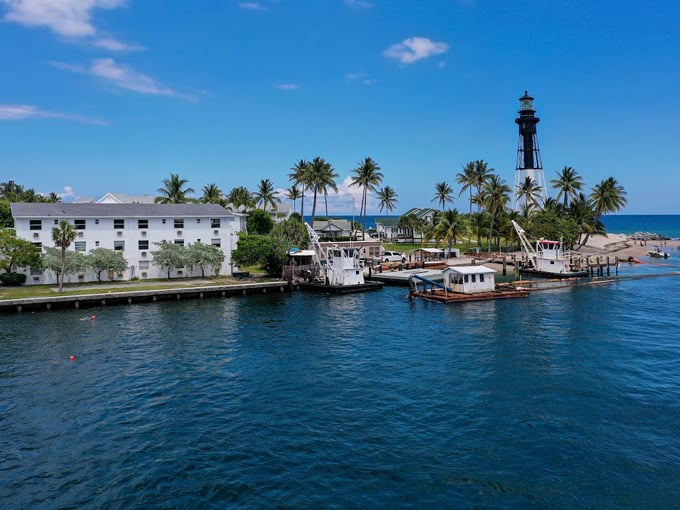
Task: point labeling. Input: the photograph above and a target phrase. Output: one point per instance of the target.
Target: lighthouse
(529, 165)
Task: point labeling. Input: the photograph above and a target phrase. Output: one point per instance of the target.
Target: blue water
(567, 399)
(665, 225)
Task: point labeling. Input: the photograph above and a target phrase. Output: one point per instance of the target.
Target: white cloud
(361, 78)
(253, 6)
(123, 77)
(287, 86)
(71, 18)
(415, 48)
(111, 44)
(358, 3)
(68, 193)
(27, 112)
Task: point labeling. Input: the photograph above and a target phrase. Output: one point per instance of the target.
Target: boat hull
(455, 297)
(340, 289)
(547, 274)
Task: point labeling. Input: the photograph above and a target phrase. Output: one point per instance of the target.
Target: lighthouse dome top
(526, 102)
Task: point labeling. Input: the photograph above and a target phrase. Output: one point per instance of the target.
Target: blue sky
(104, 96)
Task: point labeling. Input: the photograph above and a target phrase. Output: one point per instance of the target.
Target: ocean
(664, 225)
(567, 399)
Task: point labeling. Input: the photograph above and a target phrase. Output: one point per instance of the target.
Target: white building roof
(469, 269)
(62, 210)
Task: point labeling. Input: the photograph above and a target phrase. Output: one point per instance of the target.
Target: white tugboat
(547, 258)
(338, 269)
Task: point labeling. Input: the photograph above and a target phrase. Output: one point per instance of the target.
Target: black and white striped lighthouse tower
(529, 163)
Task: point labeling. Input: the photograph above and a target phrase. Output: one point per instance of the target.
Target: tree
(608, 197)
(443, 194)
(211, 195)
(481, 173)
(102, 259)
(300, 178)
(585, 218)
(293, 193)
(169, 256)
(529, 191)
(467, 180)
(205, 255)
(450, 225)
(368, 177)
(388, 199)
(290, 232)
(259, 222)
(71, 262)
(494, 196)
(266, 194)
(320, 177)
(173, 191)
(254, 250)
(239, 197)
(15, 252)
(63, 236)
(569, 183)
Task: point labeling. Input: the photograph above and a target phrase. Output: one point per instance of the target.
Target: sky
(102, 96)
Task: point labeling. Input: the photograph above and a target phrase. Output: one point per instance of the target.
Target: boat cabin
(551, 257)
(344, 266)
(469, 279)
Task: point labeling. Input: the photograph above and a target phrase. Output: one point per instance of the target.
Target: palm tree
(467, 180)
(266, 195)
(211, 194)
(443, 194)
(608, 197)
(300, 177)
(495, 196)
(320, 177)
(293, 193)
(388, 199)
(529, 191)
(240, 197)
(173, 191)
(325, 180)
(451, 224)
(568, 182)
(481, 172)
(63, 236)
(368, 177)
(583, 215)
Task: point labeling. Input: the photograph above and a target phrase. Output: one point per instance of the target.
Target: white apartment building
(131, 228)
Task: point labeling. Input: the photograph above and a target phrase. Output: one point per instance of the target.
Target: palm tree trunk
(63, 268)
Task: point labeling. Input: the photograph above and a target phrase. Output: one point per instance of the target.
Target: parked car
(393, 256)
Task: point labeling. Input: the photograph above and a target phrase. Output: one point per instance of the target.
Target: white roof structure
(470, 269)
(120, 198)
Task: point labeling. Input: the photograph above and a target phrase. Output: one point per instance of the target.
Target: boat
(462, 284)
(658, 253)
(546, 258)
(333, 269)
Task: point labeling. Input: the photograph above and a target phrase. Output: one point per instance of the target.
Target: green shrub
(13, 279)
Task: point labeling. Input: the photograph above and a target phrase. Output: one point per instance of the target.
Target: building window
(142, 223)
(198, 220)
(119, 245)
(179, 242)
(179, 222)
(35, 224)
(214, 223)
(35, 272)
(56, 222)
(79, 224)
(143, 244)
(118, 223)
(143, 264)
(163, 221)
(216, 242)
(80, 245)
(96, 243)
(481, 278)
(96, 222)
(37, 245)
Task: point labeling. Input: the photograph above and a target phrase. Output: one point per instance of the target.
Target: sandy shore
(623, 246)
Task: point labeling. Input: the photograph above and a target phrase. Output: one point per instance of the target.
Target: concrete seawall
(139, 296)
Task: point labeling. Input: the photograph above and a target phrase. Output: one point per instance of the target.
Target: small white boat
(658, 253)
